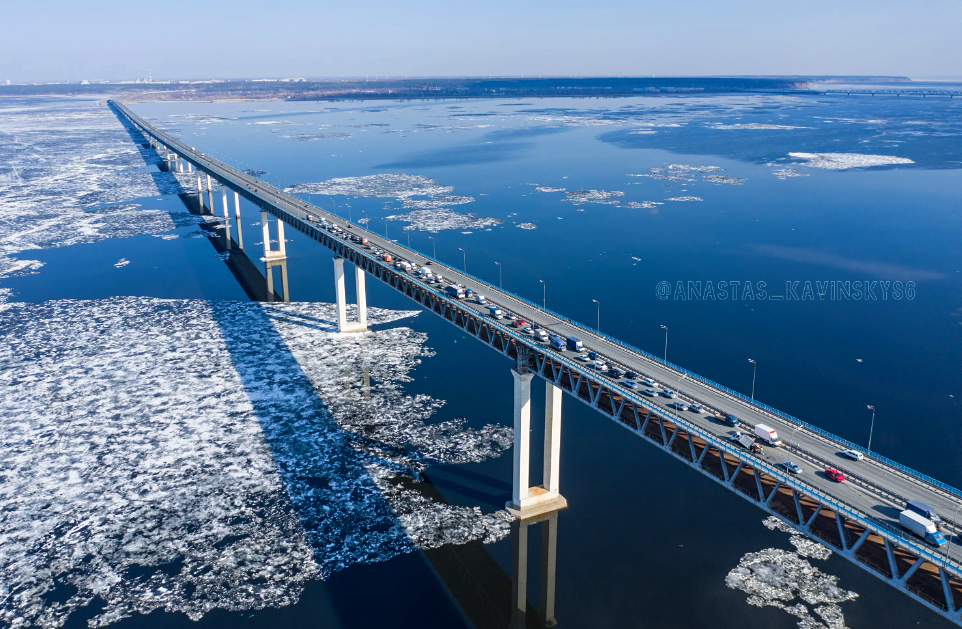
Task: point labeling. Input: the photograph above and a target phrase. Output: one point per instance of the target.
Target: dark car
(614, 372)
(631, 375)
(730, 420)
(593, 355)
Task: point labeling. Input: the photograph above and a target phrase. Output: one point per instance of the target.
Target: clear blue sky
(48, 40)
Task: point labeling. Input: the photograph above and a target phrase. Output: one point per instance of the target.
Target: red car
(519, 322)
(835, 475)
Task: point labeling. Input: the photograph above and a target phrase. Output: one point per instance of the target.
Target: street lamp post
(871, 428)
(754, 371)
(598, 326)
(544, 295)
(431, 238)
(500, 283)
(666, 342)
(464, 259)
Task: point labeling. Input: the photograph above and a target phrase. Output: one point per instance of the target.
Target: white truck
(768, 435)
(923, 527)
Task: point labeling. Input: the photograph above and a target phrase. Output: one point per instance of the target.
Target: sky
(57, 40)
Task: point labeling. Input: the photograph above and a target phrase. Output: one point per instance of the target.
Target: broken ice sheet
(844, 161)
(188, 456)
(605, 197)
(785, 579)
(437, 220)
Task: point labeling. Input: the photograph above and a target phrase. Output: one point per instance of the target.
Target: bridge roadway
(875, 490)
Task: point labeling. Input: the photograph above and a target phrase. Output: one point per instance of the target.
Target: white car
(650, 392)
(678, 405)
(529, 331)
(855, 455)
(583, 358)
(600, 365)
(696, 408)
(668, 393)
(648, 382)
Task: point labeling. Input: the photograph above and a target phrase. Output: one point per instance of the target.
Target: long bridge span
(857, 519)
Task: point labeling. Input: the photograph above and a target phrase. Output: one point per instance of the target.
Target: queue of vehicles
(918, 518)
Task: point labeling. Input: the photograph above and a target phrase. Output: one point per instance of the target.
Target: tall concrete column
(361, 298)
(180, 164)
(190, 167)
(266, 231)
(200, 194)
(210, 194)
(237, 219)
(339, 294)
(223, 195)
(285, 294)
(552, 437)
(281, 248)
(522, 437)
(269, 276)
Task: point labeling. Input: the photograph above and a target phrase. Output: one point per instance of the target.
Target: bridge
(896, 92)
(857, 519)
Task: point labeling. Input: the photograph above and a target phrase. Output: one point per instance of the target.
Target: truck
(455, 291)
(767, 434)
(496, 312)
(574, 344)
(557, 343)
(480, 299)
(923, 527)
(925, 511)
(540, 335)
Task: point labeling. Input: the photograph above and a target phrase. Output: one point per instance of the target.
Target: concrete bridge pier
(519, 570)
(527, 501)
(190, 167)
(272, 254)
(180, 164)
(237, 218)
(210, 195)
(343, 325)
(223, 193)
(200, 193)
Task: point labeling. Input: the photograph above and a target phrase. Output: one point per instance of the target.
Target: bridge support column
(180, 164)
(269, 274)
(190, 167)
(210, 194)
(223, 195)
(343, 325)
(527, 501)
(237, 219)
(200, 194)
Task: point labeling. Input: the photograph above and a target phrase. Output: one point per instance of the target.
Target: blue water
(644, 537)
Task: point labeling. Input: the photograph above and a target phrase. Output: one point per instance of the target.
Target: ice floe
(121, 263)
(755, 125)
(677, 172)
(646, 205)
(188, 456)
(310, 137)
(549, 189)
(786, 580)
(77, 168)
(435, 220)
(785, 173)
(606, 197)
(527, 226)
(684, 199)
(731, 181)
(843, 161)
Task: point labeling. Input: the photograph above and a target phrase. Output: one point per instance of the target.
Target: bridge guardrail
(302, 215)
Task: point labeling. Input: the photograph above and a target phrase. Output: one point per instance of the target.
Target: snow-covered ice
(188, 455)
(605, 197)
(686, 198)
(527, 226)
(786, 580)
(440, 219)
(755, 125)
(645, 205)
(843, 161)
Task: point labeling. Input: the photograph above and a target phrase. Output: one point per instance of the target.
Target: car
(855, 455)
(518, 322)
(668, 393)
(529, 331)
(600, 365)
(789, 466)
(649, 382)
(835, 475)
(735, 435)
(631, 375)
(731, 420)
(650, 392)
(696, 408)
(631, 384)
(582, 358)
(614, 372)
(593, 355)
(678, 405)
